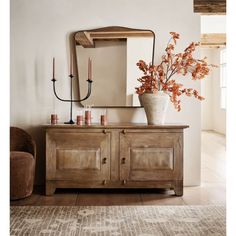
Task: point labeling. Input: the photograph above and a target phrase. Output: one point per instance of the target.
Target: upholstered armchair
(22, 163)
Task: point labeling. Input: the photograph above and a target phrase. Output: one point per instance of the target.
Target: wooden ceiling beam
(213, 40)
(210, 6)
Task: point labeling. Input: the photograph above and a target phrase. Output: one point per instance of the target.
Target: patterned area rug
(118, 220)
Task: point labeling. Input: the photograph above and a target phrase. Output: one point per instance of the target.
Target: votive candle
(88, 117)
(79, 120)
(54, 119)
(103, 120)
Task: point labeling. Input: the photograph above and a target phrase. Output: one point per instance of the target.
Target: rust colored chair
(22, 163)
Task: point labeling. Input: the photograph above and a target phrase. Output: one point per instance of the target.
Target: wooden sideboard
(114, 156)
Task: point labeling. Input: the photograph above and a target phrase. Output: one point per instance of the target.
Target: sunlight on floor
(213, 157)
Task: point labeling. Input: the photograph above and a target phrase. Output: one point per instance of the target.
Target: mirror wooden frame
(86, 39)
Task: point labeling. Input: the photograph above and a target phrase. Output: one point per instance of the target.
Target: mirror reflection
(114, 52)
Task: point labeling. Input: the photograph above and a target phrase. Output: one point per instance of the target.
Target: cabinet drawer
(78, 156)
(150, 156)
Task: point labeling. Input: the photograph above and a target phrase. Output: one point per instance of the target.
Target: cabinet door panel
(150, 156)
(77, 156)
(80, 159)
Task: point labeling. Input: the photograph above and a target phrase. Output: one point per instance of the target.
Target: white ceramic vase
(155, 106)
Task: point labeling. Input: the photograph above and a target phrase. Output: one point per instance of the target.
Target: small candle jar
(79, 120)
(54, 119)
(103, 117)
(88, 117)
(103, 120)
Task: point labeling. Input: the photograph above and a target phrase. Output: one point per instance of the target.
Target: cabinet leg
(178, 188)
(50, 188)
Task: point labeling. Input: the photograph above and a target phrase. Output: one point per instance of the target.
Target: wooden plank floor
(211, 191)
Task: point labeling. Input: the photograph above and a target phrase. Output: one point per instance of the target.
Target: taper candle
(89, 69)
(71, 64)
(53, 68)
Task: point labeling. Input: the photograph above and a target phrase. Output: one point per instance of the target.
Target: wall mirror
(114, 52)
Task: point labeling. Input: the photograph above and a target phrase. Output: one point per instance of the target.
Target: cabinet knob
(104, 131)
(124, 131)
(104, 160)
(123, 160)
(104, 182)
(124, 181)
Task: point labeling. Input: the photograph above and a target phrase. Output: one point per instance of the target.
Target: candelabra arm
(88, 93)
(75, 100)
(55, 93)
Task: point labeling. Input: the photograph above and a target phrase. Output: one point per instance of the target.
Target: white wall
(219, 114)
(213, 116)
(213, 24)
(207, 93)
(40, 31)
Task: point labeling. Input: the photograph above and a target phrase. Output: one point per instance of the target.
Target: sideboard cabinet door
(150, 156)
(80, 156)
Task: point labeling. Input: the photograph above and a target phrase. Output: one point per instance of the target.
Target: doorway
(213, 88)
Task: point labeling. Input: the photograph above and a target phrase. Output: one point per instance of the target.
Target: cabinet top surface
(117, 126)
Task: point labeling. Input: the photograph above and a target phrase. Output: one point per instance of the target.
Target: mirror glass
(114, 52)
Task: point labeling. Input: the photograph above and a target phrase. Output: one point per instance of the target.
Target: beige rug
(118, 220)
